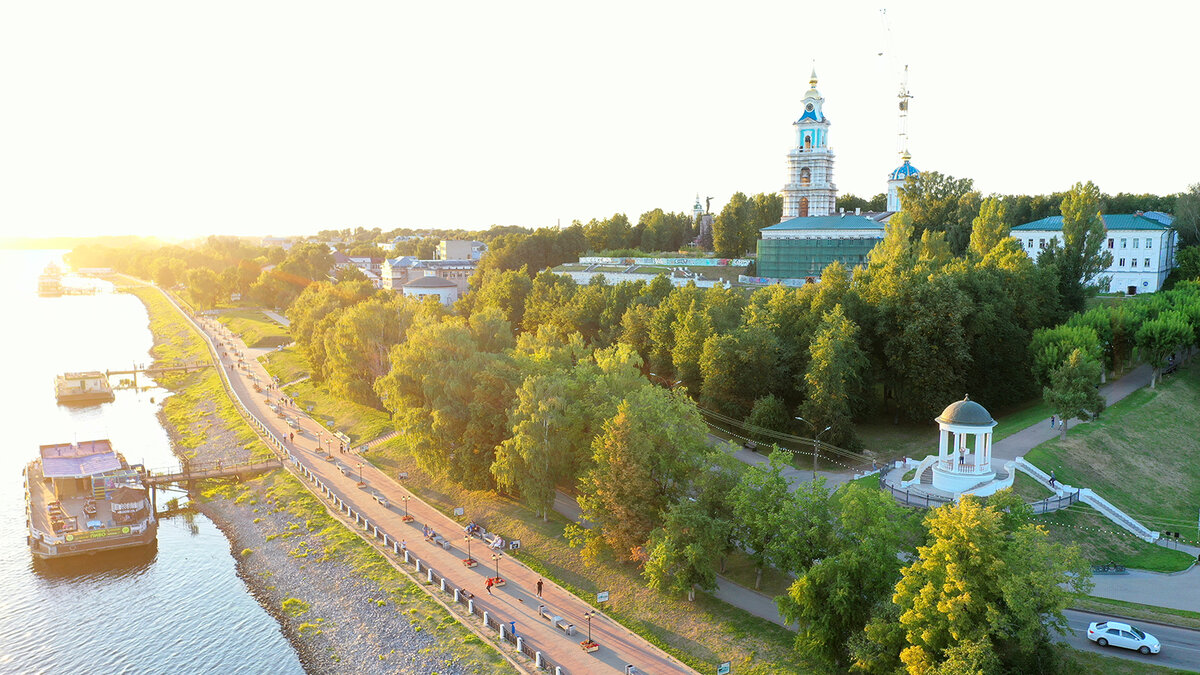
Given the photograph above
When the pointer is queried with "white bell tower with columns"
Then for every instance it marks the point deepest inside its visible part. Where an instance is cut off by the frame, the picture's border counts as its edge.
(810, 190)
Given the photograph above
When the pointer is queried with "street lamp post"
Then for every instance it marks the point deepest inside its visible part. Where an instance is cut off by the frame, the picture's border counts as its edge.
(360, 478)
(497, 581)
(407, 518)
(816, 443)
(469, 562)
(589, 646)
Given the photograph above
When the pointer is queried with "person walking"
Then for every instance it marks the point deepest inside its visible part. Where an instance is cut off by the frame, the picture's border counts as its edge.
(1052, 421)
(488, 585)
(1053, 480)
(539, 587)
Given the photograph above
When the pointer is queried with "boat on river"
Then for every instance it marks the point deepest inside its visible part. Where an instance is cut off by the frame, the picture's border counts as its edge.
(86, 387)
(50, 282)
(83, 498)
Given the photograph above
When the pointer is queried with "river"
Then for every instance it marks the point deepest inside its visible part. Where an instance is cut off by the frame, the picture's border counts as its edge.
(179, 608)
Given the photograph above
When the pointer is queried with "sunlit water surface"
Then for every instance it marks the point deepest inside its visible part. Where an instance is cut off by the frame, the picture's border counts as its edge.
(176, 608)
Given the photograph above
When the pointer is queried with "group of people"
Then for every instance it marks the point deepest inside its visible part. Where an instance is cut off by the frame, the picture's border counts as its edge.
(428, 532)
(473, 530)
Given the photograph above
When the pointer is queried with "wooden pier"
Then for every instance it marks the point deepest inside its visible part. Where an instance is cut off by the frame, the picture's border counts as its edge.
(152, 371)
(194, 472)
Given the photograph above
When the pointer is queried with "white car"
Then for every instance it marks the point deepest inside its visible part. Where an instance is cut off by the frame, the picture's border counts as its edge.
(1117, 634)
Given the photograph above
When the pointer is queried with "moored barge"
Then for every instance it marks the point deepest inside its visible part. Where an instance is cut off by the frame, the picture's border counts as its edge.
(87, 387)
(83, 498)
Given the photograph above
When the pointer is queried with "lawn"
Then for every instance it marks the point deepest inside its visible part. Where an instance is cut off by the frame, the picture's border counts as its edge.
(1030, 489)
(1101, 541)
(1020, 418)
(1133, 610)
(255, 328)
(360, 422)
(1140, 455)
(701, 633)
(288, 364)
(1080, 662)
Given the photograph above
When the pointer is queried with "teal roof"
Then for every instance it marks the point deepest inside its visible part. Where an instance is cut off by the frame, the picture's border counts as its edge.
(1150, 220)
(835, 222)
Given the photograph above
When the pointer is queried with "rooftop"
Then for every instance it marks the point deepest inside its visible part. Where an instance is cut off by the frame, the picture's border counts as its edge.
(840, 221)
(430, 282)
(1149, 220)
(76, 460)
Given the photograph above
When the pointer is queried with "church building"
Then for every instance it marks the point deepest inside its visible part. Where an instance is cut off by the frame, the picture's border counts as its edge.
(813, 233)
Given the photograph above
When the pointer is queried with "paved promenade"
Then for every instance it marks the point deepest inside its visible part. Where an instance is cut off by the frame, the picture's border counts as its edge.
(514, 601)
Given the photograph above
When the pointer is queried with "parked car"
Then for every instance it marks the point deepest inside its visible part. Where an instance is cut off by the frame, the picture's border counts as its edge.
(1117, 634)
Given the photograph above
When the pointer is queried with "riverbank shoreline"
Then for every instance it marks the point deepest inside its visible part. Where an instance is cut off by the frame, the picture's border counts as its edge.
(336, 618)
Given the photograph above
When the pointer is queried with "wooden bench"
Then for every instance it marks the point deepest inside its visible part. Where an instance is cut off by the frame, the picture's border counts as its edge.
(556, 621)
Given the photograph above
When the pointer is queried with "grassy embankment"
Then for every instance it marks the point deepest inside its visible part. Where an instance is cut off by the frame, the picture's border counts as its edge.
(199, 401)
(1138, 456)
(288, 364)
(176, 340)
(701, 633)
(255, 328)
(360, 422)
(312, 533)
(1080, 662)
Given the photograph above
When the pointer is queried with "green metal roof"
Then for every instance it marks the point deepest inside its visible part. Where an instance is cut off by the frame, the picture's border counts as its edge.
(1150, 220)
(836, 222)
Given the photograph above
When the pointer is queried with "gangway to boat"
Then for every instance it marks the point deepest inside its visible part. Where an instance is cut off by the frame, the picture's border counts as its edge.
(193, 472)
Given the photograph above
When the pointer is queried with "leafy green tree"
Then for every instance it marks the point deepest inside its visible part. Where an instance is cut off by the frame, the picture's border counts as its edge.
(768, 210)
(505, 290)
(977, 586)
(692, 329)
(1050, 348)
(680, 552)
(609, 235)
(535, 459)
(1188, 263)
(1081, 257)
(770, 412)
(1158, 338)
(1187, 218)
(834, 377)
(732, 226)
(833, 600)
(204, 286)
(941, 203)
(1073, 392)
(644, 460)
(989, 228)
(358, 344)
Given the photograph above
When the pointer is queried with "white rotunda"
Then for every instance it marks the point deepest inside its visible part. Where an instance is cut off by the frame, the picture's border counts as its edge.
(964, 459)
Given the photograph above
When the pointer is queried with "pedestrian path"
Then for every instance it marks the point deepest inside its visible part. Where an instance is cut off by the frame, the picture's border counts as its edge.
(340, 475)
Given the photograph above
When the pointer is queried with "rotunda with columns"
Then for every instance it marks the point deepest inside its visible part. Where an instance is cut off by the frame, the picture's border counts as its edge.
(964, 459)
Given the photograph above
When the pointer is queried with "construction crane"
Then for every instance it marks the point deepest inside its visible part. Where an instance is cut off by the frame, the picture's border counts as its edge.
(905, 95)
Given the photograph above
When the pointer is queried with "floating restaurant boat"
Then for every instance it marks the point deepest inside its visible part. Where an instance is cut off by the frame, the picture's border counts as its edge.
(83, 498)
(50, 282)
(87, 387)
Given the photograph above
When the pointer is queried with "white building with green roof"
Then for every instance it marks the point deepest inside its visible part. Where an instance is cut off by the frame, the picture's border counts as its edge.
(1142, 245)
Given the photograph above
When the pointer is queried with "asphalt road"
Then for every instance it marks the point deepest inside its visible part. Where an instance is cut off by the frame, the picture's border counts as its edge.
(1180, 646)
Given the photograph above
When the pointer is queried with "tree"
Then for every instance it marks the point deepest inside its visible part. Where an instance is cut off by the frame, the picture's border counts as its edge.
(941, 203)
(1159, 337)
(1187, 217)
(732, 225)
(1081, 257)
(989, 228)
(644, 460)
(834, 599)
(358, 344)
(537, 456)
(1073, 389)
(834, 376)
(204, 286)
(681, 551)
(769, 412)
(1050, 348)
(610, 234)
(768, 522)
(978, 585)
(1188, 263)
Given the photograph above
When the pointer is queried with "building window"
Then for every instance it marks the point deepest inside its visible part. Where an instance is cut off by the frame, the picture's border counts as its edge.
(1147, 262)
(805, 176)
(1030, 243)
(804, 207)
(1149, 242)
(1122, 263)
(1041, 243)
(1110, 243)
(1135, 243)
(1122, 243)
(1133, 262)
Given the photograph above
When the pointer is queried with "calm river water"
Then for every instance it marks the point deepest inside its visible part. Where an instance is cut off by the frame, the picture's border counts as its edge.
(178, 609)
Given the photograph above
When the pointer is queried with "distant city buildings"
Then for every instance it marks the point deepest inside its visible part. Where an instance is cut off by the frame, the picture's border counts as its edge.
(460, 249)
(444, 290)
(1142, 245)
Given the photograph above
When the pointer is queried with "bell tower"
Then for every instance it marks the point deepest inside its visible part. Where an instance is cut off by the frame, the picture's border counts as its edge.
(810, 190)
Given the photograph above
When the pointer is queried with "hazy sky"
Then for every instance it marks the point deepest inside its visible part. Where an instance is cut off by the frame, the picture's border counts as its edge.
(252, 117)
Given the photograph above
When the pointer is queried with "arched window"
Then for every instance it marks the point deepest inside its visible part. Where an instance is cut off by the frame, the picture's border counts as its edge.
(807, 142)
(804, 207)
(805, 176)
